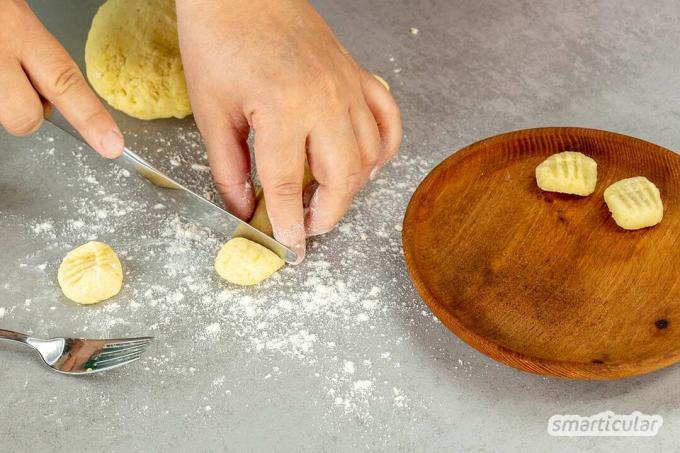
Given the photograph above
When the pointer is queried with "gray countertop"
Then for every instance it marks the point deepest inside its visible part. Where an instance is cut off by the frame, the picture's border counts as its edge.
(340, 353)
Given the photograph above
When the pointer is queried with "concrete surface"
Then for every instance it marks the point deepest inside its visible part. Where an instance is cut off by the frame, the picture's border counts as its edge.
(339, 354)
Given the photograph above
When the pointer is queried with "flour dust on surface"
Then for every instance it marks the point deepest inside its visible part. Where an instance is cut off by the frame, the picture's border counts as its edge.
(343, 322)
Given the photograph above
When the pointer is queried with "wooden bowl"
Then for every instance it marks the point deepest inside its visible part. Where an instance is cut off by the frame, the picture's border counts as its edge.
(546, 282)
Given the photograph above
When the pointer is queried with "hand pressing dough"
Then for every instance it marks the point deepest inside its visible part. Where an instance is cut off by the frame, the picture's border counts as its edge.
(634, 203)
(567, 172)
(244, 262)
(90, 273)
(132, 58)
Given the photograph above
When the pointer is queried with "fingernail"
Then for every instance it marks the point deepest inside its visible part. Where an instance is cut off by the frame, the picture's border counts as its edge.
(311, 227)
(294, 239)
(300, 252)
(314, 231)
(374, 173)
(112, 143)
(311, 223)
(248, 195)
(308, 193)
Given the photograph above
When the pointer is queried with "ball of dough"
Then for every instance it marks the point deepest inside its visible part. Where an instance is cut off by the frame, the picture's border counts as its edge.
(91, 273)
(132, 58)
(244, 262)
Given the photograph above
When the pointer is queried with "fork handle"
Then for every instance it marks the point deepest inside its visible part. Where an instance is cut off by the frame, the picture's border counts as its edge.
(13, 336)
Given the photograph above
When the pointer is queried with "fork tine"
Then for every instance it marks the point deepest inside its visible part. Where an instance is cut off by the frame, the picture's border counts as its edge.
(113, 364)
(109, 353)
(120, 346)
(112, 352)
(113, 359)
(128, 342)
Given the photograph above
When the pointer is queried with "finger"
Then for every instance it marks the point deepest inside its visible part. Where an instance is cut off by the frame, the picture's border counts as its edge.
(59, 80)
(280, 155)
(387, 116)
(367, 137)
(229, 161)
(335, 160)
(21, 112)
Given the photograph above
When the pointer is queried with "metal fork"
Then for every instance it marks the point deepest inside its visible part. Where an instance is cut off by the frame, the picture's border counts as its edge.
(80, 356)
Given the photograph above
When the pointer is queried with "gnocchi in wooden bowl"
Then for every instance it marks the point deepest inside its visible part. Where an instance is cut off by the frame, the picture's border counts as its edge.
(582, 284)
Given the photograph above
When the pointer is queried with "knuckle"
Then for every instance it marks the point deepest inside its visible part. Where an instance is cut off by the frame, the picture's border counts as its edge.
(355, 181)
(370, 155)
(67, 77)
(287, 190)
(24, 124)
(370, 152)
(229, 187)
(350, 183)
(269, 111)
(322, 226)
(371, 161)
(97, 114)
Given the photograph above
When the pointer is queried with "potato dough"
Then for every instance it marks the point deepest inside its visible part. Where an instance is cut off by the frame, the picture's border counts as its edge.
(244, 262)
(132, 58)
(634, 203)
(567, 172)
(90, 273)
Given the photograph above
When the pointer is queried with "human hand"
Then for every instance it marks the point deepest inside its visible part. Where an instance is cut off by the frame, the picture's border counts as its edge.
(36, 70)
(276, 67)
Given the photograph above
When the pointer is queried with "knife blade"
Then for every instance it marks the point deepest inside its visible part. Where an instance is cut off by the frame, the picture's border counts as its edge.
(185, 201)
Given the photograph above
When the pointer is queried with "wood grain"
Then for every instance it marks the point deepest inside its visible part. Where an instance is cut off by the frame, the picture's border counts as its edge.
(546, 282)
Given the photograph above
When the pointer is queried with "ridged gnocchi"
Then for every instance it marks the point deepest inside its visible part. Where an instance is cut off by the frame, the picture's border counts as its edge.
(634, 203)
(244, 262)
(90, 273)
(568, 172)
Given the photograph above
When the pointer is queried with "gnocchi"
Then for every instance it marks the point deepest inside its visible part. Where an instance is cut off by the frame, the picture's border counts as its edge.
(568, 172)
(90, 273)
(634, 203)
(244, 262)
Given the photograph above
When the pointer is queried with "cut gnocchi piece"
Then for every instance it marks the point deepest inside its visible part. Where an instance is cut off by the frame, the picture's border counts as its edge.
(90, 273)
(634, 203)
(244, 262)
(567, 172)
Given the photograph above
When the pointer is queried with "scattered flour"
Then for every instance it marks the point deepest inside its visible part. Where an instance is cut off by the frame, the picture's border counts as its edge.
(213, 329)
(330, 316)
(43, 227)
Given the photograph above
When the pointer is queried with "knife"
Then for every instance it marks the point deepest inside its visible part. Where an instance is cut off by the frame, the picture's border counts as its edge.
(185, 201)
